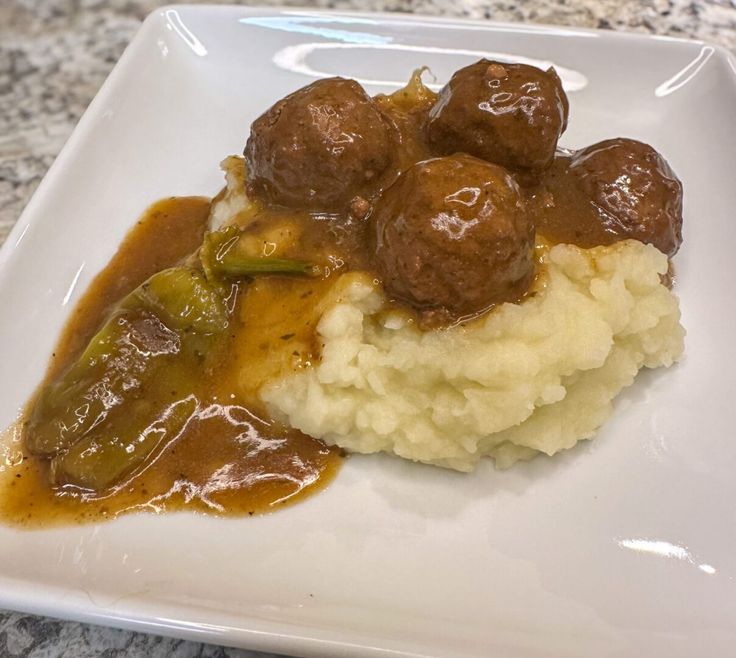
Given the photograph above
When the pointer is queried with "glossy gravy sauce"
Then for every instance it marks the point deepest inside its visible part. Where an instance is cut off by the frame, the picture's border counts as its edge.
(230, 459)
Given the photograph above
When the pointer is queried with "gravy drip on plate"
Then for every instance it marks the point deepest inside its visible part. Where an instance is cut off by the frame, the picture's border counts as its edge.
(231, 459)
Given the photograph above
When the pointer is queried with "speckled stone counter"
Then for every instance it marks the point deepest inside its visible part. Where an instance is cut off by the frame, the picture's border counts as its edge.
(55, 54)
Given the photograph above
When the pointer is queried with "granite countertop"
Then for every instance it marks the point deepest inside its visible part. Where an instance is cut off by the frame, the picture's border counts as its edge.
(55, 54)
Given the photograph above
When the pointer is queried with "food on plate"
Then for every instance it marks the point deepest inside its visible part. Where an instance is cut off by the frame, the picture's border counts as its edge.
(318, 147)
(617, 189)
(420, 274)
(462, 212)
(510, 114)
(525, 379)
(634, 190)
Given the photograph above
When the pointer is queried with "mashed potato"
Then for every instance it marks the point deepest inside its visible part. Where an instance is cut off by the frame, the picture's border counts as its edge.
(525, 379)
(531, 378)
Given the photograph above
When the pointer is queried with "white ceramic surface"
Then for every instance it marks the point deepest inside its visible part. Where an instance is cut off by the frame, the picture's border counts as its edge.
(621, 547)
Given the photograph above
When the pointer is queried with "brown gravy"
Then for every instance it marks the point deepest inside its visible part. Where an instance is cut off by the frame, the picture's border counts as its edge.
(230, 459)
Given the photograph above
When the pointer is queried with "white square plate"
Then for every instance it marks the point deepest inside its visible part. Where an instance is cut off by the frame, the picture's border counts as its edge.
(621, 547)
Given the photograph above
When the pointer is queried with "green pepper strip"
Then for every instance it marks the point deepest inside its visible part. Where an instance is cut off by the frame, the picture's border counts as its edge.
(98, 462)
(234, 265)
(221, 256)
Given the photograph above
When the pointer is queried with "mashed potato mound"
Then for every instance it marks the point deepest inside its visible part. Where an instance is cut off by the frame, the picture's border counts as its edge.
(524, 379)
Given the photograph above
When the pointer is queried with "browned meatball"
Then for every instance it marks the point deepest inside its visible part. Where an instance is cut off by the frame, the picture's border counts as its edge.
(453, 233)
(635, 191)
(510, 114)
(318, 147)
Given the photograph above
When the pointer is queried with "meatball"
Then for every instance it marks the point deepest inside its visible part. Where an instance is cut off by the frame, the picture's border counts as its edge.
(634, 190)
(318, 147)
(510, 114)
(452, 233)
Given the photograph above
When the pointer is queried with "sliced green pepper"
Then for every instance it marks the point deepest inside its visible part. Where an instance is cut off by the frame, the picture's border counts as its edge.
(184, 300)
(126, 351)
(222, 256)
(102, 459)
(111, 409)
(145, 330)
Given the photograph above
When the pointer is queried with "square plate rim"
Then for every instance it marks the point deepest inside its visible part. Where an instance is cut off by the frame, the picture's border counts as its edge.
(252, 634)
